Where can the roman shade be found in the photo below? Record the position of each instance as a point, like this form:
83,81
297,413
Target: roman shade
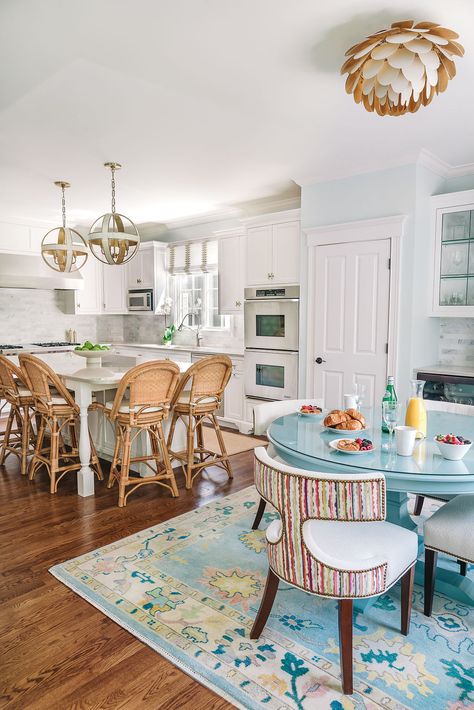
195,257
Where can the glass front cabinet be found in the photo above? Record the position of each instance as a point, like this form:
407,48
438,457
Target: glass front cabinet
453,269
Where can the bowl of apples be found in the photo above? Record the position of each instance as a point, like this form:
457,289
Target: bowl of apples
452,447
92,353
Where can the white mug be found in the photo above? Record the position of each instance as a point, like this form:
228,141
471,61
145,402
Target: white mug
405,438
350,401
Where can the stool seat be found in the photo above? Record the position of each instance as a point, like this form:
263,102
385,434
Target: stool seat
451,528
125,408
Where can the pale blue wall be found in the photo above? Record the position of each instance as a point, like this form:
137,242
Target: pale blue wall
403,190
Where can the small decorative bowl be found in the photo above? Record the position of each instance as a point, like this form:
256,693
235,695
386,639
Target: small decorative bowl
453,452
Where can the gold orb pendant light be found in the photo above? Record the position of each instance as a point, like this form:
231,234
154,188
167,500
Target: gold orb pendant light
397,70
62,248
113,238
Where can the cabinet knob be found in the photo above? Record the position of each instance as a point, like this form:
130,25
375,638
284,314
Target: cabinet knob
139,281
238,303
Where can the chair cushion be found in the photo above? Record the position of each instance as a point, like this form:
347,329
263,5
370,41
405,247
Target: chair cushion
451,528
184,399
125,408
361,546
24,391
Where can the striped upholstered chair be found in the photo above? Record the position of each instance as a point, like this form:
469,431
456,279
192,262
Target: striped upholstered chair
333,541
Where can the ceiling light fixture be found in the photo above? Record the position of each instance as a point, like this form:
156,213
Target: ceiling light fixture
397,70
62,248
113,238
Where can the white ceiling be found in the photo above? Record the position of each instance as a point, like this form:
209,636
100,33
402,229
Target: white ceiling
207,103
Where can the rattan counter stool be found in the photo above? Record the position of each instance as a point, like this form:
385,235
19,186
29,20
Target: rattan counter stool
141,403
197,399
58,411
18,437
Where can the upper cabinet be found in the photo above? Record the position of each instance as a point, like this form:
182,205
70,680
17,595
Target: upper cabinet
114,289
87,300
231,271
273,249
147,270
453,268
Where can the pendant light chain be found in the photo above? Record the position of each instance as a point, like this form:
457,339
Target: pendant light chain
112,168
63,204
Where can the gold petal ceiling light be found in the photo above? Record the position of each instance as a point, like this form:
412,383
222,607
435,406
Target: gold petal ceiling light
113,238
397,70
62,248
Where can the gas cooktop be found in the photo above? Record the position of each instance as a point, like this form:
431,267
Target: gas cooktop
11,347
60,344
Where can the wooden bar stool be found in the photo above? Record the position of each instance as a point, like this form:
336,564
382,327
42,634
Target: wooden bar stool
197,398
58,411
18,437
150,388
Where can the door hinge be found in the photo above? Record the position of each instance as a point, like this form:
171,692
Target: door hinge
389,265
386,348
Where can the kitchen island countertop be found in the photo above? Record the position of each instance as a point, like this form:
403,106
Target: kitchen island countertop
202,349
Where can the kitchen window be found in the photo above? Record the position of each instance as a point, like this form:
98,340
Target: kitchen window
193,284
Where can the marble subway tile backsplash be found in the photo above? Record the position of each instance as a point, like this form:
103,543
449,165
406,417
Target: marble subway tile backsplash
34,315
456,343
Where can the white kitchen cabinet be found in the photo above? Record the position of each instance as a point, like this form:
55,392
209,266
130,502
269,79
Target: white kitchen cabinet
234,393
88,300
141,269
273,250
114,289
453,259
231,272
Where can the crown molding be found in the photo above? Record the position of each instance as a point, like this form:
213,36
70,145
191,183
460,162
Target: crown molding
214,216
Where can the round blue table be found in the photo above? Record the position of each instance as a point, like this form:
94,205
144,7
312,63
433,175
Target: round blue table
304,443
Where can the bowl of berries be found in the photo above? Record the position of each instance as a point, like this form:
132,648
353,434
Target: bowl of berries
310,410
453,447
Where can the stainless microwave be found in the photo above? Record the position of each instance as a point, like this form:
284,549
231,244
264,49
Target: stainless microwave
140,299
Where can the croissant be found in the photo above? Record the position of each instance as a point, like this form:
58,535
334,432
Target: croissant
336,417
354,414
351,425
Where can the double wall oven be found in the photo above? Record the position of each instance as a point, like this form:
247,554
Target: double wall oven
271,342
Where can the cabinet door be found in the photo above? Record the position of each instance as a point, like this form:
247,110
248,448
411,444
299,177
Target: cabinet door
231,282
234,392
286,253
89,299
134,271
114,289
259,255
141,269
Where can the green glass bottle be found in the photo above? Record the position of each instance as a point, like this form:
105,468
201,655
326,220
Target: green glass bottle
389,396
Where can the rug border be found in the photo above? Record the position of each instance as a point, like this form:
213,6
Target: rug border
79,589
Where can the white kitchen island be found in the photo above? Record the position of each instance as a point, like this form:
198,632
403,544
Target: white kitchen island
86,382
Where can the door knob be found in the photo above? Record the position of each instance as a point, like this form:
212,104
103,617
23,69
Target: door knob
319,360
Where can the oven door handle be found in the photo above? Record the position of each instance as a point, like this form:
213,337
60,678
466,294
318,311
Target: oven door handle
274,300
269,352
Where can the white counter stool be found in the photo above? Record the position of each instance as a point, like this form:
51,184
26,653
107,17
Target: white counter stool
196,401
450,530
263,415
18,437
336,545
59,412
141,403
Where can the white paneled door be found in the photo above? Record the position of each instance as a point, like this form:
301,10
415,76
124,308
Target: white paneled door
349,306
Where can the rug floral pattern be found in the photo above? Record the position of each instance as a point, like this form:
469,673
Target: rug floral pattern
190,588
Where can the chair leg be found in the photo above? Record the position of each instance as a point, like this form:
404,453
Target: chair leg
261,509
407,599
190,453
419,500
166,460
38,447
25,439
169,442
113,465
200,439
6,435
462,567
345,644
431,558
124,468
220,439
54,460
271,588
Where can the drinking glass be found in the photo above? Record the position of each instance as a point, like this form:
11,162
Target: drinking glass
359,393
391,415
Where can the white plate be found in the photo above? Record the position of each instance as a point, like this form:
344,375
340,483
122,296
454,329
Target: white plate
346,432
334,442
312,414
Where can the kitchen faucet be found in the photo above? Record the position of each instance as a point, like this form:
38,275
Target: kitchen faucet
198,328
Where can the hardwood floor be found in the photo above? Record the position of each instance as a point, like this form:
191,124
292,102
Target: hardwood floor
58,651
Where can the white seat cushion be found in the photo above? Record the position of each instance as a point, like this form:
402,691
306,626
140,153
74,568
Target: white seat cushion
184,399
360,546
125,408
24,391
58,400
451,528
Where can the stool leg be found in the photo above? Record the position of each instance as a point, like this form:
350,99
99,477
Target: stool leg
174,419
115,459
190,452
124,468
6,435
54,456
200,439
345,644
166,460
220,439
271,588
25,440
431,558
38,447
407,598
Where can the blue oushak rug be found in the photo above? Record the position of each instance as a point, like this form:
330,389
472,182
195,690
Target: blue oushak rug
190,589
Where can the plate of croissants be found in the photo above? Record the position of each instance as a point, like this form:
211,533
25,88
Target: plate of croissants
350,420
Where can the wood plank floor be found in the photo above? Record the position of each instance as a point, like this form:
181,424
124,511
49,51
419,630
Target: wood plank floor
57,651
